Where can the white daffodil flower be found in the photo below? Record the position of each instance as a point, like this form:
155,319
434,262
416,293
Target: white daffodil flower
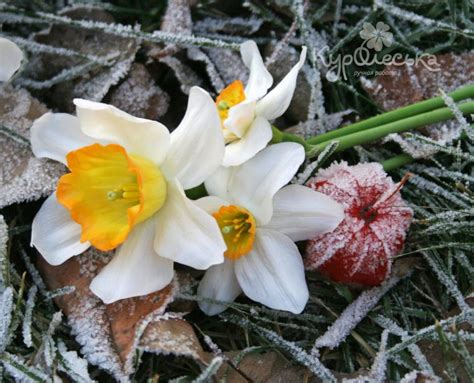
125,191
245,112
10,59
259,220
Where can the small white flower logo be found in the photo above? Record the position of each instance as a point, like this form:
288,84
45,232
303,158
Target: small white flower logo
376,37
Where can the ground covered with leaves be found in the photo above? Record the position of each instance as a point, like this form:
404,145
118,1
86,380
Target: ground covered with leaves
143,57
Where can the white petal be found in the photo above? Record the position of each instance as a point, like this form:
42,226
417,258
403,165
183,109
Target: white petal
218,183
259,78
240,118
187,234
146,138
211,204
135,270
273,272
219,283
10,59
197,144
302,213
54,135
276,102
254,184
56,236
256,139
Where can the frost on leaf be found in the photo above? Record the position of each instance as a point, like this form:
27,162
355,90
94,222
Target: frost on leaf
116,55
139,96
410,84
110,334
233,25
176,20
229,65
3,252
23,177
185,75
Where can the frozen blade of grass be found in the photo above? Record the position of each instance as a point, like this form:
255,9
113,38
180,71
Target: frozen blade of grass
433,188
118,30
6,306
65,75
59,292
337,18
415,351
14,136
458,115
455,152
313,167
310,361
30,305
3,253
418,19
446,280
353,33
33,271
210,370
34,47
73,365
210,24
353,314
20,371
379,366
465,316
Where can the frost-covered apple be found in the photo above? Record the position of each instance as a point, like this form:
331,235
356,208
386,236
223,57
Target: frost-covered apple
361,249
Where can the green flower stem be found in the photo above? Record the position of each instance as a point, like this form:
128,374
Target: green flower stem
279,136
196,192
414,122
397,162
395,115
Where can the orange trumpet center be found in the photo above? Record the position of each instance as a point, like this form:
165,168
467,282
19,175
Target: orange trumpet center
109,191
238,228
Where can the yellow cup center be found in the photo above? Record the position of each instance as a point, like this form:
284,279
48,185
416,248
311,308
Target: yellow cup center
238,229
232,95
109,191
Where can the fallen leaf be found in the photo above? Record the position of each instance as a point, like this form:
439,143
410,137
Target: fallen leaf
110,334
177,20
409,84
268,367
97,80
139,95
23,177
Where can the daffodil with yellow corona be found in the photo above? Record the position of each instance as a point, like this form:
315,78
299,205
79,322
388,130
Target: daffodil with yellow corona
246,112
10,59
125,191
260,218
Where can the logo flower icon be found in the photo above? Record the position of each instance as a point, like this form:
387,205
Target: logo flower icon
376,37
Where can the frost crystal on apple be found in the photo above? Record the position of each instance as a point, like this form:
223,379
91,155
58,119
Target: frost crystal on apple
360,249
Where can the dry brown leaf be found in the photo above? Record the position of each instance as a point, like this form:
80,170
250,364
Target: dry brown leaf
410,84
23,177
96,83
110,334
438,359
177,19
269,367
139,96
